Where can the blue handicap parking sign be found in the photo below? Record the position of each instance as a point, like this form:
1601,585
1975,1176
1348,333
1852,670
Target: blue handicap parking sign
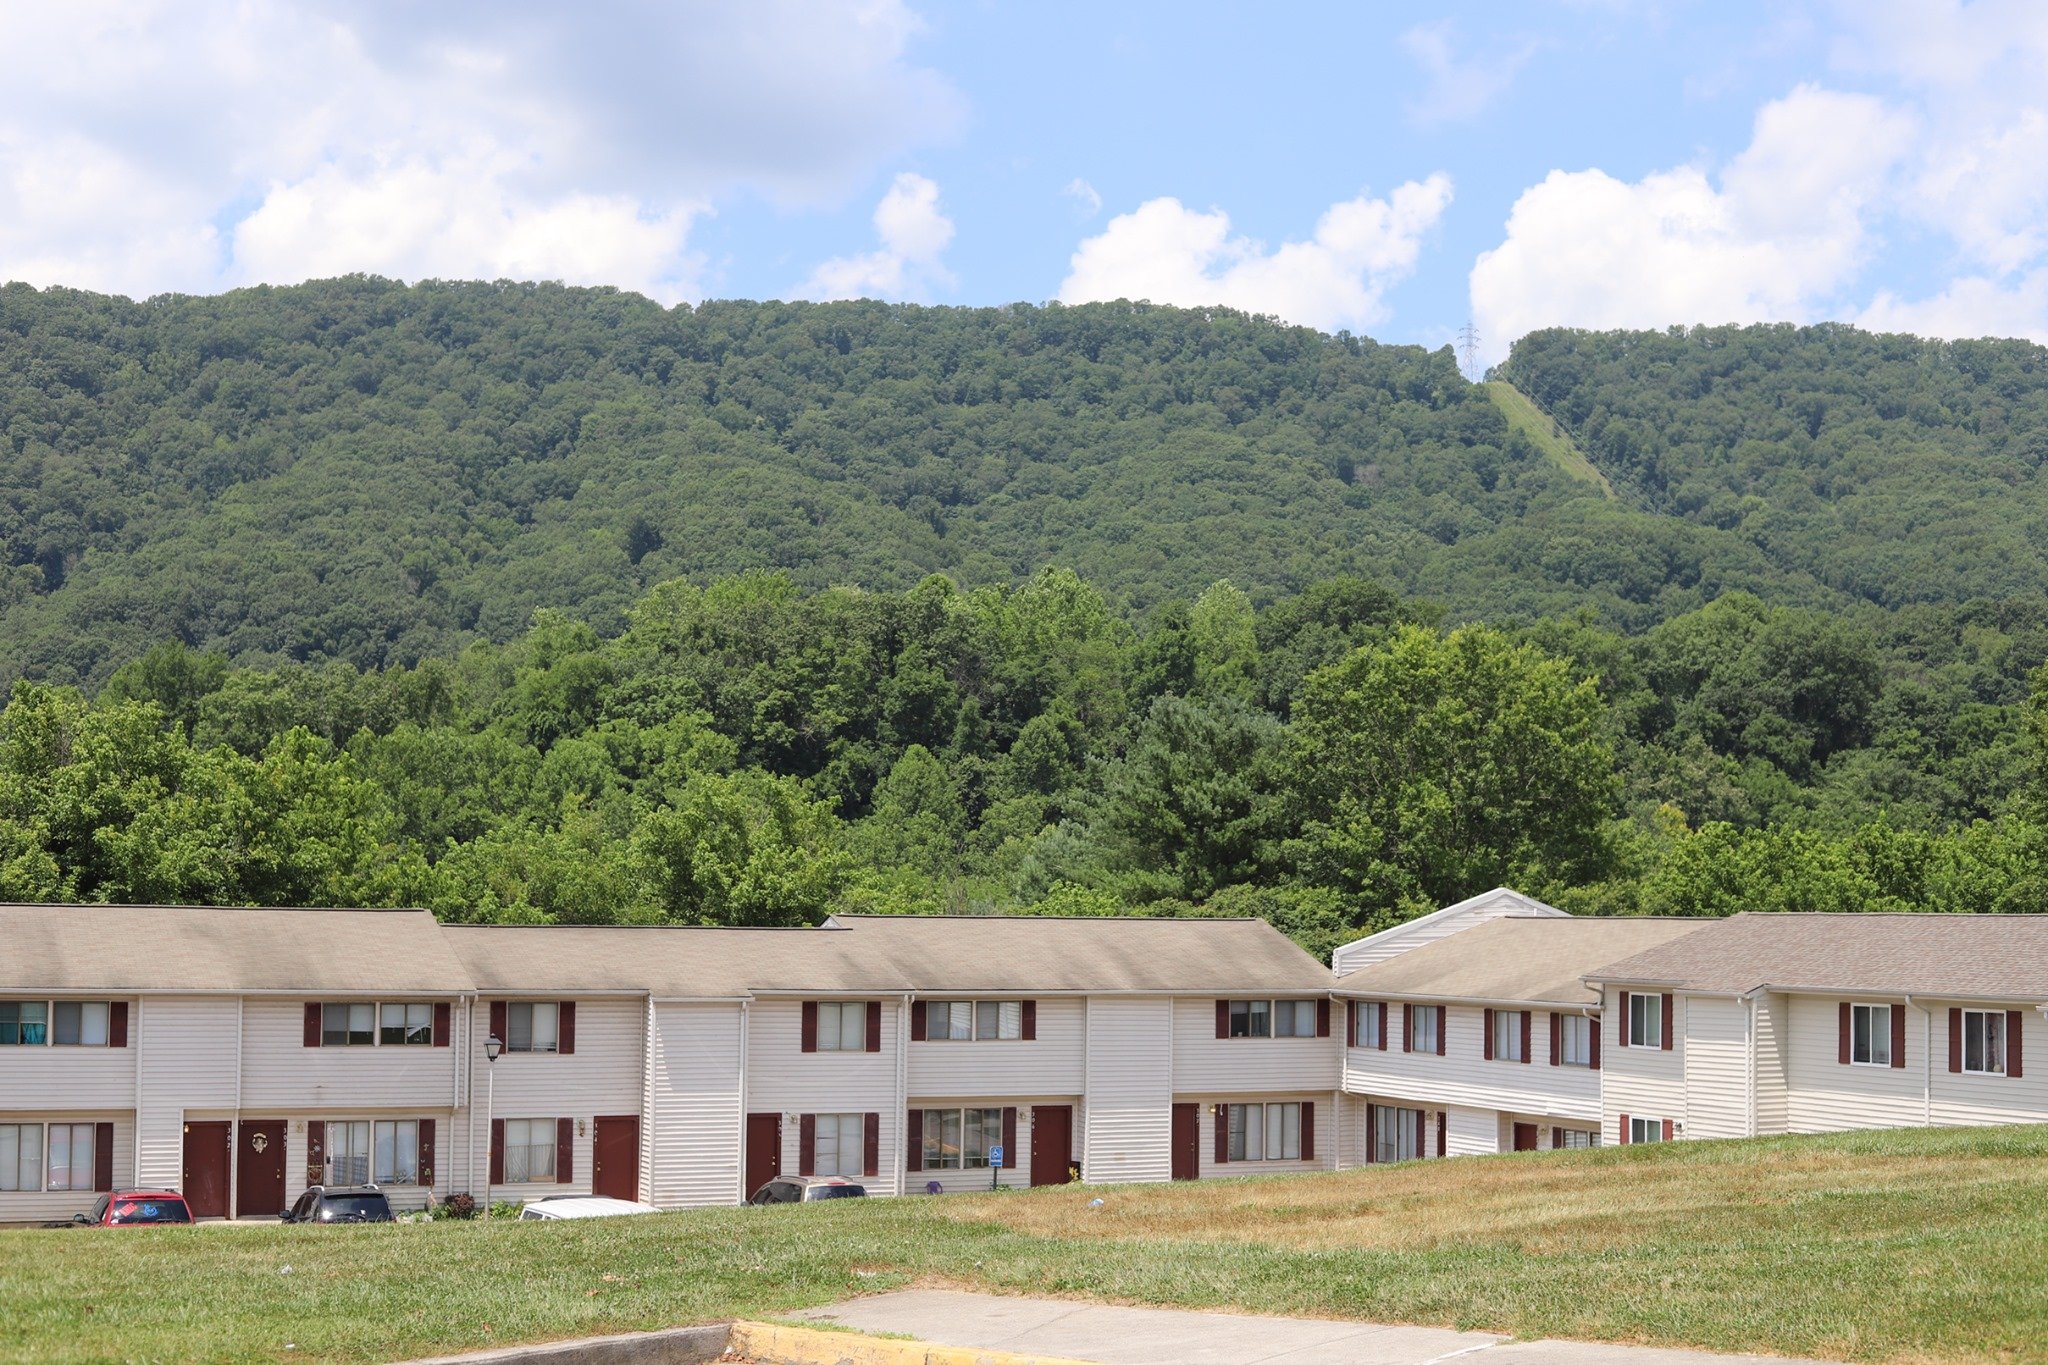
995,1155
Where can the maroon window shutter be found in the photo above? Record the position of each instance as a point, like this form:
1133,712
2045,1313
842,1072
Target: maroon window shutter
1372,1133
117,1024
1667,1130
810,1027
1010,1135
807,1144
913,1153
1842,1031
1350,1023
1556,1039
1323,1018
1443,1128
103,1157
1898,1036
1407,1028
2012,1044
1443,1028
1489,1035
565,1151
444,1017
316,1144
1222,1134
1621,1038
1029,1031
1382,1008
1556,1138
1222,1018
1668,1014
565,1034
1593,1045
1528,1029
874,1039
1624,1130
917,1023
497,1151
871,1144
1955,1040
1308,1132
426,1177
499,1030
312,1038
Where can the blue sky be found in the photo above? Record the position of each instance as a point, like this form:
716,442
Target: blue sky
1377,167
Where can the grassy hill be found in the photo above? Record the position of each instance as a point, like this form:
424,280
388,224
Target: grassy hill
1908,1246
1543,432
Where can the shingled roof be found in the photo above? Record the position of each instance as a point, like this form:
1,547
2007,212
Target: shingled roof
1515,959
1989,957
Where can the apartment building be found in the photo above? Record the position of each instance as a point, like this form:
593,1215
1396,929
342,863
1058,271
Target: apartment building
240,1055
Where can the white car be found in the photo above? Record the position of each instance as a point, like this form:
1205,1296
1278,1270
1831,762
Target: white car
581,1206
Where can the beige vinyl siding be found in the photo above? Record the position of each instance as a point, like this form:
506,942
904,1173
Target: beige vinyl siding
186,1062
1464,1077
1471,1132
1825,1096
1126,1121
1204,1063
1961,1099
280,1072
783,1078
693,1144
1716,1066
1327,1137
1643,1082
1773,1103
50,1206
602,1076
1052,1064
70,1077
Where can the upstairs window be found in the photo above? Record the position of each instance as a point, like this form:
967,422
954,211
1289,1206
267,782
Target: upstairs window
63,1023
1870,1035
24,1022
1425,1027
1371,1018
842,1026
348,1026
971,1020
405,1025
1574,1040
1645,1020
533,1026
1269,1018
1507,1035
1251,1018
79,1023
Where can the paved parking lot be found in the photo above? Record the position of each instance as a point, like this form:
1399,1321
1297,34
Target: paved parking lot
1160,1336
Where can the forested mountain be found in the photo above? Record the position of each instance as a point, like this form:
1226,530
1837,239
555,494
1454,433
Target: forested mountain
532,603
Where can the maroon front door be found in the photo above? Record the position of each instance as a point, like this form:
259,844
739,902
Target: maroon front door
764,1150
1052,1143
1525,1137
259,1167
1187,1141
615,1151
205,1185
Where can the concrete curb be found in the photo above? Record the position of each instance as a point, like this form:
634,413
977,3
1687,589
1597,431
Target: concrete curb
675,1346
778,1344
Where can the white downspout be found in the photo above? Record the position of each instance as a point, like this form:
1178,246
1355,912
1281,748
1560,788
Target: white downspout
1926,1061
235,1128
651,1097
899,1177
740,1168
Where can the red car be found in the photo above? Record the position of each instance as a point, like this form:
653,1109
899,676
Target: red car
132,1208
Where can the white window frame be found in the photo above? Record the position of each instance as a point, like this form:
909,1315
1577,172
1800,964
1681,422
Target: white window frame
1873,1043
1399,1134
1645,1020
1638,1125
1507,1036
526,1128
407,1011
970,1021
535,1012
1263,1132
1575,1138
842,1026
95,1016
838,1134
23,1162
1989,1021
1425,1024
970,1131
1368,1032
1574,1036
75,1136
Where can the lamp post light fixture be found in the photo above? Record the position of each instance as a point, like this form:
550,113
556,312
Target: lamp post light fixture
493,1045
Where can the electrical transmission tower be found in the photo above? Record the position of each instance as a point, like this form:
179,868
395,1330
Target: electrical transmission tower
1468,346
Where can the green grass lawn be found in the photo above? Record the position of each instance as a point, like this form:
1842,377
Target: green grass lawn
1524,416
1890,1246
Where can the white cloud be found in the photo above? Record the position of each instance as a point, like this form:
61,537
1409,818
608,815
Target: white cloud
1460,86
1084,195
914,233
1784,229
1169,253
1973,306
148,145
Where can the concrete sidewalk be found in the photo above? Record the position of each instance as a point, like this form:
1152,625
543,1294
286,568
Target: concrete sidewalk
1161,1336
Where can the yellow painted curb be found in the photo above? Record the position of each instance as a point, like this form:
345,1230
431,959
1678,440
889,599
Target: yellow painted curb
777,1344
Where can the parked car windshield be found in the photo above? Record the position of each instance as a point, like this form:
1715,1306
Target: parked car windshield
358,1206
151,1211
838,1191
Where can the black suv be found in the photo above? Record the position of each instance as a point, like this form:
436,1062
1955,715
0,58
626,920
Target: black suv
341,1204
